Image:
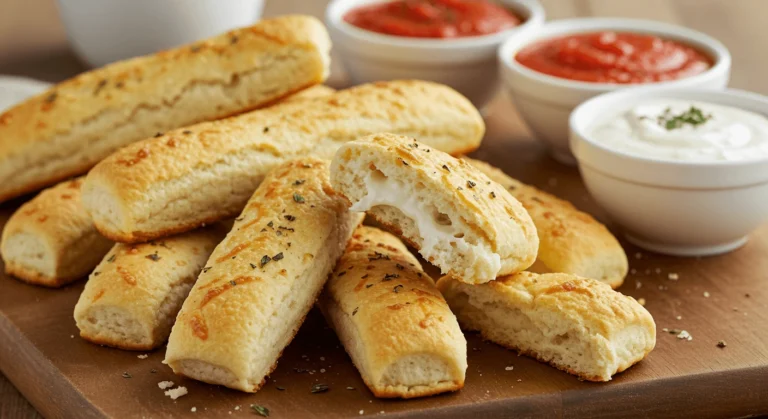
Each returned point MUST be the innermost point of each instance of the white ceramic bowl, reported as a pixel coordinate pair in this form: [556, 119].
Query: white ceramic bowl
[468, 64]
[672, 207]
[545, 102]
[104, 31]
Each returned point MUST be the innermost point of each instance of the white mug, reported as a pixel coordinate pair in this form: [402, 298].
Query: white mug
[103, 31]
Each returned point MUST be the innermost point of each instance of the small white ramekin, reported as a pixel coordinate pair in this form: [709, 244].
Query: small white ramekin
[102, 32]
[545, 102]
[672, 207]
[467, 64]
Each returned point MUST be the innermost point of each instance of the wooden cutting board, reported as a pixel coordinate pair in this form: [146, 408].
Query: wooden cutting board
[717, 298]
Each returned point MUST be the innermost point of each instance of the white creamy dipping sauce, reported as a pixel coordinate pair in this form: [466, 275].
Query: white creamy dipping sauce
[684, 130]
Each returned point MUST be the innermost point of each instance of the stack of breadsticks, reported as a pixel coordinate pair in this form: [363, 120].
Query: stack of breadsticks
[163, 151]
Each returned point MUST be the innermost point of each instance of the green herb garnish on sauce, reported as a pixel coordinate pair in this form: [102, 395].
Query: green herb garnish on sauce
[693, 116]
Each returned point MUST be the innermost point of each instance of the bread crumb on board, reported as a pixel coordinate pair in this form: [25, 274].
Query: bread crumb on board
[144, 356]
[165, 384]
[177, 392]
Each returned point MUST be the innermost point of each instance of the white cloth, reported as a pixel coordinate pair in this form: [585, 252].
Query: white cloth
[14, 89]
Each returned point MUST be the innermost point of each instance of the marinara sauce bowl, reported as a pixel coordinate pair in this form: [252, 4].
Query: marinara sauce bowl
[545, 102]
[467, 64]
[682, 208]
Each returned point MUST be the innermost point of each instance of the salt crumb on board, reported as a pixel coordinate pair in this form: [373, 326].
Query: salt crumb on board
[193, 409]
[509, 368]
[143, 356]
[641, 301]
[361, 411]
[673, 276]
[706, 294]
[177, 392]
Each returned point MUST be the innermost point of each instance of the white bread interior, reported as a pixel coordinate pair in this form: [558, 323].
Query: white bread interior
[451, 213]
[28, 251]
[50, 240]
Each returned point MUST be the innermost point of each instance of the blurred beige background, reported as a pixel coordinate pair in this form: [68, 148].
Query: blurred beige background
[33, 41]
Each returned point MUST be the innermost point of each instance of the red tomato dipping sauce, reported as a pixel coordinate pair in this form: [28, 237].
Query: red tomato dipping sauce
[433, 18]
[614, 57]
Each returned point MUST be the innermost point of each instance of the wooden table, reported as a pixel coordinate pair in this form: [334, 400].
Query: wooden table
[33, 43]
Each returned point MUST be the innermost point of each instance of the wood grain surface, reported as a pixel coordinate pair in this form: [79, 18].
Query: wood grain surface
[680, 378]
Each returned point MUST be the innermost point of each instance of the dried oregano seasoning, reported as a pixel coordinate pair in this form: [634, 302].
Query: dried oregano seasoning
[264, 260]
[260, 410]
[319, 388]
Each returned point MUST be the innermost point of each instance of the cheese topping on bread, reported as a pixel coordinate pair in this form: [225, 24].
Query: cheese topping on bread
[262, 279]
[392, 320]
[132, 297]
[571, 241]
[75, 124]
[142, 191]
[578, 325]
